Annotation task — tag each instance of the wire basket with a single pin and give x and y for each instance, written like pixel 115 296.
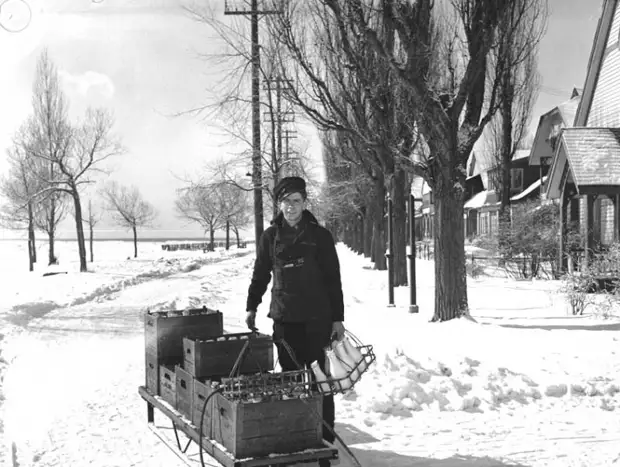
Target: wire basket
pixel 263 387
pixel 342 385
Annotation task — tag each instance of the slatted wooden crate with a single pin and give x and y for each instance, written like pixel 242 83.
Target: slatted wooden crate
pixel 184 383
pixel 216 357
pixel 167 384
pixel 152 373
pixel 201 392
pixel 164 332
pixel 256 429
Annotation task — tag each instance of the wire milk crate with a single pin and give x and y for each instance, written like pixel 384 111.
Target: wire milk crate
pixel 354 358
pixel 267 386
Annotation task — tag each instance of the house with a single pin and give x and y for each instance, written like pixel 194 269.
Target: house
pixel 482 209
pixel 548 131
pixel 585 170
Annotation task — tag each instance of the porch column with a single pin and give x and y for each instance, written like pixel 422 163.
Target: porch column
pixel 564 213
pixel 616 200
pixel 589 237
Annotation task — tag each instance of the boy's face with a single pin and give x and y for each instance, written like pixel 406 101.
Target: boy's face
pixel 292 207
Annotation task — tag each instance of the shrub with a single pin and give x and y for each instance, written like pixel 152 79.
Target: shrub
pixel 530 238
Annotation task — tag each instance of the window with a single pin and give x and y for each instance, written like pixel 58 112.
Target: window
pixel 516 179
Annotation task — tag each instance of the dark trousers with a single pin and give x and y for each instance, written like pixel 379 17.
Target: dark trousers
pixel 306 342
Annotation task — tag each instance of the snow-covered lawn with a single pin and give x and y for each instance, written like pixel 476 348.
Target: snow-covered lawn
pixel 524 385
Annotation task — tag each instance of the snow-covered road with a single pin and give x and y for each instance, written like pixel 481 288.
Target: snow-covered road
pixel 72 384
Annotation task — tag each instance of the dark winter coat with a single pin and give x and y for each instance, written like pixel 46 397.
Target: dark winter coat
pixel 306 273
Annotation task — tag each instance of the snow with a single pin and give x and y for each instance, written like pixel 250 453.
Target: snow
pixel 522 384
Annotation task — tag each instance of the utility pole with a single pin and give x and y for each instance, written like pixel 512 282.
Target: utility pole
pixel 281 117
pixel 278 117
pixel 257 173
pixel 288 135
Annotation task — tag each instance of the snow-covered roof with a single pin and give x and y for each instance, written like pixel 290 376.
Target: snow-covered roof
pixel 528 190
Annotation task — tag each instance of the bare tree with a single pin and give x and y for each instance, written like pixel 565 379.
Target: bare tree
pixel 202 205
pixel 242 218
pixel 18 188
pixel 49 123
pixel 229 102
pixel 92 219
pixel 439 54
pixel 52 211
pixel 78 151
pixel 235 209
pixel 523 25
pixel 128 209
pixel 343 85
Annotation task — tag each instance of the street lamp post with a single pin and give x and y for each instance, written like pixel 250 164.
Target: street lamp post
pixel 390 255
pixel 413 306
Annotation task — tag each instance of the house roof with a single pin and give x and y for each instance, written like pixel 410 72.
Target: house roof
pixel 530 189
pixel 520 154
pixel 602 138
pixel 484 198
pixel 484 160
pixel 593 155
pixel 566 112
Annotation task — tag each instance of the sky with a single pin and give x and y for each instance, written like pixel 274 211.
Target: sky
pixel 139 58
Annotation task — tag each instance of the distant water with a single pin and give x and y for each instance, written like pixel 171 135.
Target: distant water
pixel 43 238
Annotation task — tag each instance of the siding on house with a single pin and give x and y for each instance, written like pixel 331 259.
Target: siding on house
pixel 603 112
pixel 605 107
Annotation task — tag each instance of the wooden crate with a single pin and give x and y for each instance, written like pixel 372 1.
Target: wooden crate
pixel 152 373
pixel 164 332
pixel 184 383
pixel 201 392
pixel 167 384
pixel 153 370
pixel 215 357
pixel 256 429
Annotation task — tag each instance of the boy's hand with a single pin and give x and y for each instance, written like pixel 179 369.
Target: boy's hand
pixel 250 320
pixel 338 330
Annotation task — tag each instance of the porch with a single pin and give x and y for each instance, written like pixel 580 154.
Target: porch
pixel 585 177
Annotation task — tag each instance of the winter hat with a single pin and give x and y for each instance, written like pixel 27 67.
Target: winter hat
pixel 289 185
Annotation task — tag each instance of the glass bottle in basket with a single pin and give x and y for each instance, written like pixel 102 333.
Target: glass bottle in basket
pixel 347 361
pixel 337 370
pixel 355 353
pixel 321 379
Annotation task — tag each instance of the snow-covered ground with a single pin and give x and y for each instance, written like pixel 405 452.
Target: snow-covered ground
pixel 525 385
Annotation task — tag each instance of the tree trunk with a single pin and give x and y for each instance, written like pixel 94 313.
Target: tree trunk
pixel 90 228
pixel 399 224
pixel 506 149
pixel 80 228
pixel 236 231
pixel 31 235
pixel 52 228
pixel 367 235
pixel 135 241
pixel 32 255
pixel 450 275
pixel 227 234
pixel 347 234
pixel 359 222
pixel 378 227
pixel 212 238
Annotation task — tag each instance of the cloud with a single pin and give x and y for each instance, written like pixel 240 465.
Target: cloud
pixel 90 81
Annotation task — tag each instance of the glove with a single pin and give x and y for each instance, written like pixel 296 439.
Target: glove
pixel 250 320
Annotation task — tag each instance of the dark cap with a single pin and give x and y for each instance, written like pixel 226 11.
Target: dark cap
pixel 289 185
